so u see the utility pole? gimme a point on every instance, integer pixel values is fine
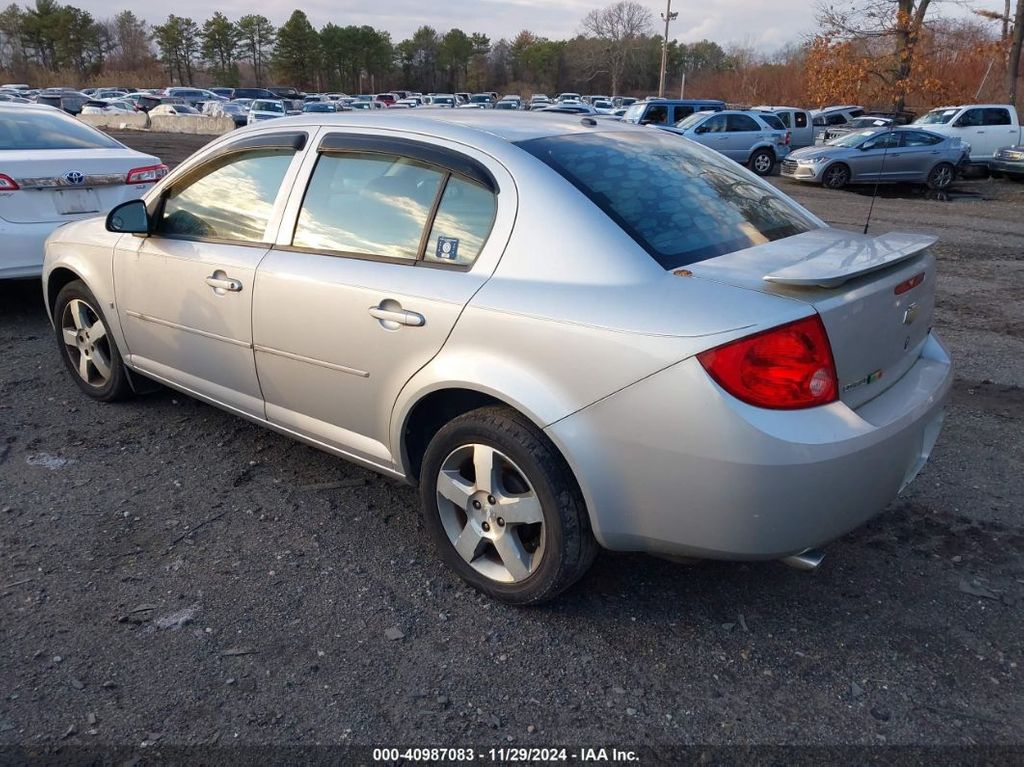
(668, 16)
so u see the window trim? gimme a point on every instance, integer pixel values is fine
(441, 157)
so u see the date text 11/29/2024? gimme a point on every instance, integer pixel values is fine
(504, 755)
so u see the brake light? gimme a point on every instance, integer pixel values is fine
(147, 175)
(785, 368)
(7, 184)
(910, 284)
(789, 137)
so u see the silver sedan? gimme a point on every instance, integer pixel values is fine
(703, 368)
(904, 154)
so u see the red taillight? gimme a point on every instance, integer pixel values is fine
(7, 184)
(784, 368)
(147, 175)
(910, 284)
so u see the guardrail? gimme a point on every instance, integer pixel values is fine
(202, 125)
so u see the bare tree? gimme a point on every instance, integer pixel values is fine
(620, 28)
(900, 21)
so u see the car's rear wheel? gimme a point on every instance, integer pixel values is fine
(836, 176)
(86, 345)
(941, 176)
(503, 508)
(762, 162)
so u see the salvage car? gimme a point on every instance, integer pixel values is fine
(683, 378)
(1009, 162)
(55, 169)
(903, 154)
(746, 137)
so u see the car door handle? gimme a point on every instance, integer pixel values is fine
(223, 282)
(399, 316)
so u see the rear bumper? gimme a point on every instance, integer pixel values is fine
(673, 464)
(21, 253)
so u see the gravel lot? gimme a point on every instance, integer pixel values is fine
(171, 573)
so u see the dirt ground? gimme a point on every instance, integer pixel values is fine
(172, 574)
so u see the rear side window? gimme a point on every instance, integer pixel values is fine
(800, 119)
(742, 123)
(231, 199)
(920, 138)
(774, 121)
(996, 116)
(464, 219)
(41, 129)
(835, 119)
(681, 202)
(367, 204)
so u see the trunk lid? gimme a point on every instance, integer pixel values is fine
(875, 296)
(63, 185)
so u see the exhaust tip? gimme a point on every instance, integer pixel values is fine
(807, 560)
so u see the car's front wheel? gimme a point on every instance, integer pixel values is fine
(836, 176)
(503, 508)
(86, 345)
(941, 176)
(762, 162)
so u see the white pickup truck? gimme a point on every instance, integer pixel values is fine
(986, 127)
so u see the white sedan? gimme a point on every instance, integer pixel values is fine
(55, 169)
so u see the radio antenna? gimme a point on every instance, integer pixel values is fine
(881, 170)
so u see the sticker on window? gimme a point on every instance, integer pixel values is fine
(448, 248)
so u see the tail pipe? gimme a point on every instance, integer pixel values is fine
(807, 560)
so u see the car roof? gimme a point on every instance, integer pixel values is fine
(470, 126)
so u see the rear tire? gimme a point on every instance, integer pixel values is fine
(835, 176)
(86, 345)
(762, 162)
(519, 533)
(941, 176)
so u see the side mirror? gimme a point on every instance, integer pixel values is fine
(129, 218)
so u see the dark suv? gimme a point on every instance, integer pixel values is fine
(669, 112)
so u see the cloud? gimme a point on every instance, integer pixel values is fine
(753, 23)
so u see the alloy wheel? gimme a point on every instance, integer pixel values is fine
(763, 164)
(942, 177)
(836, 177)
(491, 513)
(86, 342)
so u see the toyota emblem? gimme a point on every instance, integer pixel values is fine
(75, 177)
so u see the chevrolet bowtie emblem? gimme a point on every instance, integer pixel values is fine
(911, 314)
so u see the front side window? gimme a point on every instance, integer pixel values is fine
(367, 204)
(656, 115)
(679, 201)
(972, 118)
(716, 124)
(232, 199)
(884, 141)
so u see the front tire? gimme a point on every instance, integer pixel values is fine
(503, 508)
(941, 176)
(762, 162)
(835, 176)
(86, 346)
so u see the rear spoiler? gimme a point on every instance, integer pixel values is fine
(853, 256)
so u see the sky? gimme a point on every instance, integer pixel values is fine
(765, 25)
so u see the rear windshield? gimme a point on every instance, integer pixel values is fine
(38, 129)
(681, 202)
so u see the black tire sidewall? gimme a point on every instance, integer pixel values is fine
(835, 168)
(540, 467)
(118, 386)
